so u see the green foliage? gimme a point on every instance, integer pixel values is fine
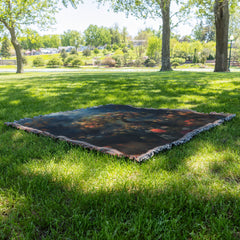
(145, 35)
(5, 49)
(138, 62)
(17, 14)
(54, 62)
(109, 47)
(38, 62)
(63, 54)
(86, 52)
(31, 40)
(74, 51)
(105, 51)
(205, 33)
(126, 59)
(96, 50)
(234, 25)
(24, 60)
(97, 36)
(51, 41)
(68, 60)
(77, 62)
(115, 47)
(119, 60)
(192, 50)
(125, 50)
(115, 35)
(73, 61)
(175, 64)
(150, 62)
(118, 52)
(71, 38)
(178, 60)
(195, 57)
(154, 48)
(140, 51)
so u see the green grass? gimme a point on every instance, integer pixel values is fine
(52, 190)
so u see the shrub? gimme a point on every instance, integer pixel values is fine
(203, 59)
(126, 59)
(24, 60)
(86, 52)
(38, 62)
(138, 62)
(54, 62)
(109, 61)
(175, 64)
(74, 51)
(109, 48)
(150, 62)
(125, 50)
(119, 60)
(63, 54)
(131, 46)
(68, 60)
(76, 62)
(115, 46)
(96, 50)
(118, 52)
(105, 52)
(178, 60)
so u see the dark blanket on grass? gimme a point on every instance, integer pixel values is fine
(123, 130)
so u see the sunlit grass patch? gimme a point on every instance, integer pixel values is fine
(52, 190)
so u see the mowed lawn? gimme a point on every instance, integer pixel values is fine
(52, 190)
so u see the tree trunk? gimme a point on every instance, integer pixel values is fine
(165, 8)
(17, 48)
(221, 12)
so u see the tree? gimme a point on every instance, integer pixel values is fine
(234, 25)
(154, 48)
(144, 35)
(144, 9)
(51, 41)
(115, 35)
(5, 49)
(72, 38)
(165, 9)
(205, 32)
(31, 41)
(97, 36)
(15, 15)
(221, 10)
(124, 35)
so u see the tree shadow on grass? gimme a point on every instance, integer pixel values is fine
(43, 205)
(38, 95)
(110, 198)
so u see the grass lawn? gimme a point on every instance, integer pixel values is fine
(52, 190)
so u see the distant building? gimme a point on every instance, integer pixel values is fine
(82, 48)
(67, 48)
(33, 52)
(48, 50)
(137, 43)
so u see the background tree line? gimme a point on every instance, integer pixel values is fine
(195, 48)
(17, 15)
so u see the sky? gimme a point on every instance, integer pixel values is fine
(88, 13)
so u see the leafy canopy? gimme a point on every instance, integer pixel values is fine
(21, 13)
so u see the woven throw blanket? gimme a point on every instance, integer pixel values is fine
(122, 130)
